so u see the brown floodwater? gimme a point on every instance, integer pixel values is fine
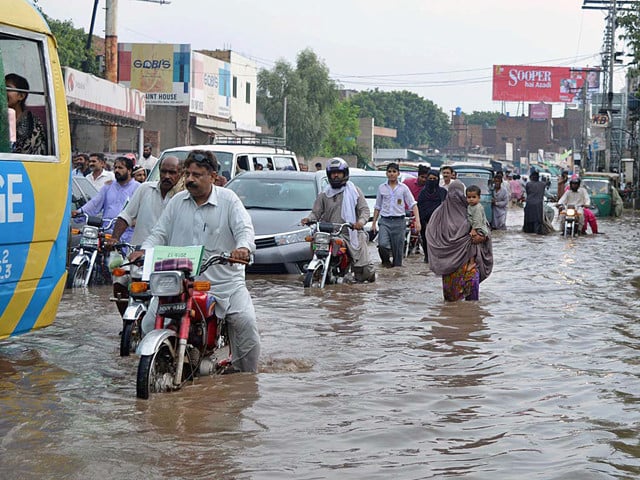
(539, 379)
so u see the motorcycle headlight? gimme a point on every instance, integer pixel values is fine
(291, 237)
(166, 284)
(571, 212)
(322, 238)
(89, 232)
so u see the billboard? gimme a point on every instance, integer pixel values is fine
(210, 94)
(88, 91)
(159, 70)
(521, 83)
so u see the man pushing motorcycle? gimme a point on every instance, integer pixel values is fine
(342, 202)
(212, 216)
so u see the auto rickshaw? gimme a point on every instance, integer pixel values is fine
(482, 176)
(603, 191)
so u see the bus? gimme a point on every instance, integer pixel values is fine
(34, 187)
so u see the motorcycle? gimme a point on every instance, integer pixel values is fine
(570, 223)
(88, 264)
(412, 236)
(132, 296)
(331, 261)
(187, 334)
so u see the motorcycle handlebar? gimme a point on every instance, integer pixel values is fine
(330, 227)
(223, 259)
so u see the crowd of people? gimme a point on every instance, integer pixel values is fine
(188, 207)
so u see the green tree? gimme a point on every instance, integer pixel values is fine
(343, 131)
(71, 46)
(310, 98)
(488, 119)
(418, 122)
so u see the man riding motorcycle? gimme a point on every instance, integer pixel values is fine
(342, 202)
(577, 196)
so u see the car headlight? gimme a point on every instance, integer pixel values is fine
(166, 284)
(292, 237)
(89, 232)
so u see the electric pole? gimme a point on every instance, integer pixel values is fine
(111, 55)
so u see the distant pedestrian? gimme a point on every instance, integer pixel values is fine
(446, 173)
(416, 184)
(390, 208)
(499, 205)
(148, 161)
(430, 198)
(533, 210)
(318, 166)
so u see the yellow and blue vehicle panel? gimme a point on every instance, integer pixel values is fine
(35, 202)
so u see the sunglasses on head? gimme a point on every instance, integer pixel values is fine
(202, 158)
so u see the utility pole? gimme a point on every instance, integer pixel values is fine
(111, 55)
(111, 60)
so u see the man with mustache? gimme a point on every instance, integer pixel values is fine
(213, 216)
(148, 202)
(112, 197)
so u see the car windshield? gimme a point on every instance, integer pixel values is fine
(224, 162)
(274, 194)
(368, 184)
(481, 179)
(595, 187)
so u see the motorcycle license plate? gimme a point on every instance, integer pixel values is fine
(172, 308)
(88, 242)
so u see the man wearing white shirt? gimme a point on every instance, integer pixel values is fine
(147, 160)
(99, 176)
(215, 217)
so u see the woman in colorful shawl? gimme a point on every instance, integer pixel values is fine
(462, 261)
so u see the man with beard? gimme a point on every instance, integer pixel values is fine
(148, 161)
(430, 198)
(148, 202)
(112, 198)
(215, 217)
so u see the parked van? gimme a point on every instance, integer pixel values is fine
(239, 154)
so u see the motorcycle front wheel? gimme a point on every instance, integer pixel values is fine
(130, 337)
(78, 275)
(155, 372)
(314, 276)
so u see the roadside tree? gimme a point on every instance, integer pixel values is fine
(310, 99)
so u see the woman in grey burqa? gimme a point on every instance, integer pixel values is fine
(462, 262)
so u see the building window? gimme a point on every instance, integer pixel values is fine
(235, 87)
(248, 96)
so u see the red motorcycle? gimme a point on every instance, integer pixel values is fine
(331, 261)
(187, 334)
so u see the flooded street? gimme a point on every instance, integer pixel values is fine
(539, 379)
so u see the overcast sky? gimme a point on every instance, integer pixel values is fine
(443, 50)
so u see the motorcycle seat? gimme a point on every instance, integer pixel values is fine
(183, 264)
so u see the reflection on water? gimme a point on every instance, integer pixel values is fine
(539, 379)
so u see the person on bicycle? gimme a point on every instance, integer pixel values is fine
(342, 202)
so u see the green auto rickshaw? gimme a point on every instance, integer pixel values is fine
(603, 191)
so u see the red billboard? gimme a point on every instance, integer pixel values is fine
(520, 83)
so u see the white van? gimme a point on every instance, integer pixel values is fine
(239, 154)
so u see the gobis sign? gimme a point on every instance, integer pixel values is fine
(152, 64)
